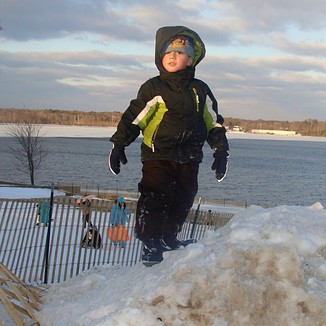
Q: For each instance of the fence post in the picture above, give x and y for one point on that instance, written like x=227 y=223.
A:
x=47 y=245
x=195 y=219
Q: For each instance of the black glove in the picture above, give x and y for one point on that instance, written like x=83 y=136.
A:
x=117 y=155
x=220 y=164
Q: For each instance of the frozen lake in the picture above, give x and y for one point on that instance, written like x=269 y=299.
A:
x=269 y=170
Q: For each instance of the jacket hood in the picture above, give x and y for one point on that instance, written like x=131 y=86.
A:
x=164 y=34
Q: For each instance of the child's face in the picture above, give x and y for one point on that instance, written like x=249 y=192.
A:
x=175 y=61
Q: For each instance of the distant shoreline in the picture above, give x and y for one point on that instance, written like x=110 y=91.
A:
x=106 y=132
x=70 y=131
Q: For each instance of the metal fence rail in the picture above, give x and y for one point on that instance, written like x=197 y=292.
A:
x=109 y=192
x=23 y=243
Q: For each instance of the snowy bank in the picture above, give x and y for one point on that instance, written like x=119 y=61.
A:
x=266 y=267
x=16 y=192
x=69 y=131
x=99 y=132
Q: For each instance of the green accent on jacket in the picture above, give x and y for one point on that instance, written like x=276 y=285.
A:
x=150 y=117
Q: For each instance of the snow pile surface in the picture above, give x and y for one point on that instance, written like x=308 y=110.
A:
x=266 y=267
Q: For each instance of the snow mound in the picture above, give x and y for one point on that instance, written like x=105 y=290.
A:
x=266 y=267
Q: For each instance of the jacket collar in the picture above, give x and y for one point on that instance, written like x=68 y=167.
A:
x=181 y=78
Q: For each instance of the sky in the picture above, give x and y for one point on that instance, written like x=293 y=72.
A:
x=265 y=267
x=265 y=59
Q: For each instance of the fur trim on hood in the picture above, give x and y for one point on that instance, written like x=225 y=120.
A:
x=164 y=34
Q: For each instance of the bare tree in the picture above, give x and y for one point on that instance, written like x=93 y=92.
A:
x=28 y=148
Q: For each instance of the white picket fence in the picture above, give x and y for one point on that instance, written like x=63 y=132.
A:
x=53 y=252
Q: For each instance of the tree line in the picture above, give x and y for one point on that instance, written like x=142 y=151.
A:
x=309 y=127
x=60 y=117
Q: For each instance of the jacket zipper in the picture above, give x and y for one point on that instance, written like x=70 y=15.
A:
x=153 y=138
x=196 y=99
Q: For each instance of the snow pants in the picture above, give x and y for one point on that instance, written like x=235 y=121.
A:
x=167 y=192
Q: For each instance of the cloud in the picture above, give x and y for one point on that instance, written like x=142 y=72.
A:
x=36 y=20
x=266 y=16
x=85 y=81
x=302 y=47
x=273 y=87
x=264 y=59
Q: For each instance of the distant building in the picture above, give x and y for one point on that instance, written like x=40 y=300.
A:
x=236 y=128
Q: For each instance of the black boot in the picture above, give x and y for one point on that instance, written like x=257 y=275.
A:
x=170 y=242
x=152 y=252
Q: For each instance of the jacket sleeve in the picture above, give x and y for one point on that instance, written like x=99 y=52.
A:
x=127 y=130
x=216 y=132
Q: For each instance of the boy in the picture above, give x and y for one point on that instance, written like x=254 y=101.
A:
x=171 y=111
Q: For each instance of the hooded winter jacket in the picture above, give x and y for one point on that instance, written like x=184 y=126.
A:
x=171 y=111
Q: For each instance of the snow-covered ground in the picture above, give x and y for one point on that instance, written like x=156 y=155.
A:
x=22 y=192
x=86 y=131
x=266 y=267
x=69 y=131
